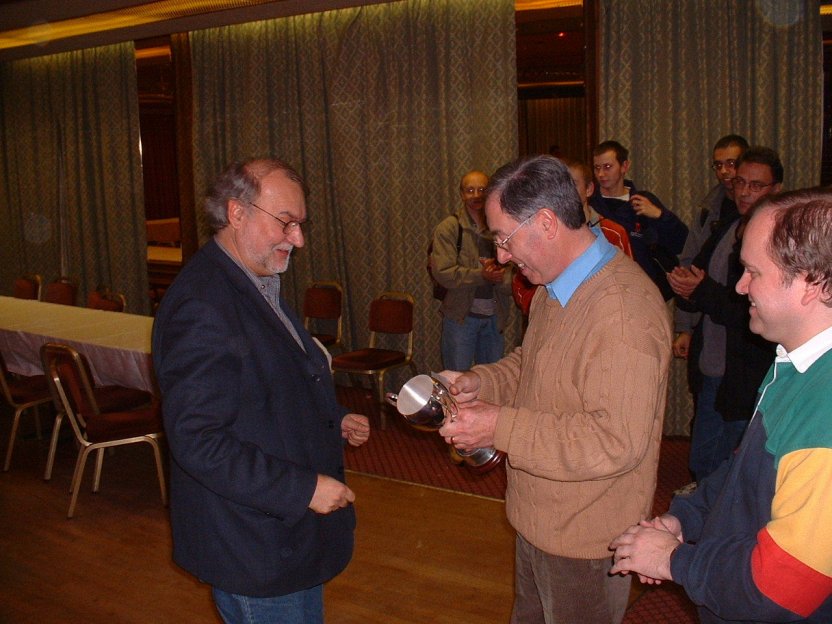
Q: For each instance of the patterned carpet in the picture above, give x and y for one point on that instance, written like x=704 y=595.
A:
x=405 y=454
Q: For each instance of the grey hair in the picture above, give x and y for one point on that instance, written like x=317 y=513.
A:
x=528 y=185
x=241 y=180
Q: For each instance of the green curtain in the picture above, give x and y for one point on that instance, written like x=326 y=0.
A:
x=675 y=75
x=383 y=109
x=71 y=171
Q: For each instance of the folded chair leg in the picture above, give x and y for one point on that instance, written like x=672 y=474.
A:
x=76 y=479
x=53 y=445
x=12 y=437
x=99 y=462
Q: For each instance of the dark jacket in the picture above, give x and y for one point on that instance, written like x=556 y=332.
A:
x=656 y=243
x=748 y=356
x=251 y=420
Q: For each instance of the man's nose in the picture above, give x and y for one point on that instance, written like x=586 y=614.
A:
x=296 y=237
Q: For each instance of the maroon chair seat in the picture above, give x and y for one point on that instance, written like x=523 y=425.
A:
x=130 y=424
x=365 y=359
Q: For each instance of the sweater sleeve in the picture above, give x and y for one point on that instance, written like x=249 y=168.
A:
x=782 y=573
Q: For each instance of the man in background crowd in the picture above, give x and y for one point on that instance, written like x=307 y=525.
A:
x=579 y=408
x=476 y=305
x=657 y=235
x=727 y=361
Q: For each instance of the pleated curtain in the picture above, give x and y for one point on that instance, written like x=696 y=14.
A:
x=382 y=108
x=71 y=195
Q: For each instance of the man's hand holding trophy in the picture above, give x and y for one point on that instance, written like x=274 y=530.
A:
x=447 y=402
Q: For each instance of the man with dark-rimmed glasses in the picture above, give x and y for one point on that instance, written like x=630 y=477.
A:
x=726 y=361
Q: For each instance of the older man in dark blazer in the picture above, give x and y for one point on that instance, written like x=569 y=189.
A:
x=259 y=507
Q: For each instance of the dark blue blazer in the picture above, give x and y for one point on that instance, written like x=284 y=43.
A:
x=251 y=420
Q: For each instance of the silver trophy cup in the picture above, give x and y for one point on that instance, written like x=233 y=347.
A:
x=425 y=401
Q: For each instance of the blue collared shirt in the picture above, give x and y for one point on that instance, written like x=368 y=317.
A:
x=582 y=268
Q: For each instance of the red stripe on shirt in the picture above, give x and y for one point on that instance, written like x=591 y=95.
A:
x=786 y=580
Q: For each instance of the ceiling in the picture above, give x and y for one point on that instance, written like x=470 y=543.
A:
x=36 y=27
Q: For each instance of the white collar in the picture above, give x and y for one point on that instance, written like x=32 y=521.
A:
x=809 y=352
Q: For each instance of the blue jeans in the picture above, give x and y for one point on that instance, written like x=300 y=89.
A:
x=303 y=607
x=713 y=439
x=474 y=341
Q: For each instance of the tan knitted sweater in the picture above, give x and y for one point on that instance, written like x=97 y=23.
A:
x=584 y=401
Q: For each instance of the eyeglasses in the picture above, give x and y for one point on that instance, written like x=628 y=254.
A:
x=754 y=186
x=719 y=165
x=470 y=190
x=288 y=226
x=604 y=167
x=503 y=244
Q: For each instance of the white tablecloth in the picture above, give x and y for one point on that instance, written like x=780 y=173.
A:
x=116 y=344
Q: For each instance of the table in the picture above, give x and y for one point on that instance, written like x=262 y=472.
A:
x=116 y=344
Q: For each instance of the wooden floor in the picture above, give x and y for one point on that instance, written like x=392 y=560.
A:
x=422 y=555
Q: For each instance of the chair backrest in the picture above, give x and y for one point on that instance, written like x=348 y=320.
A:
x=322 y=312
x=323 y=301
x=71 y=384
x=103 y=299
x=27 y=286
x=392 y=313
x=63 y=290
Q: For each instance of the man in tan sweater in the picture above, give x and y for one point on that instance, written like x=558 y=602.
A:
x=578 y=408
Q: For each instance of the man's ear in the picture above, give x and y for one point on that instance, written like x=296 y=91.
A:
x=549 y=222
x=625 y=167
x=811 y=292
x=234 y=211
x=590 y=188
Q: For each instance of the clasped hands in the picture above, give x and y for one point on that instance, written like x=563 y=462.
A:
x=473 y=422
x=645 y=549
x=684 y=280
